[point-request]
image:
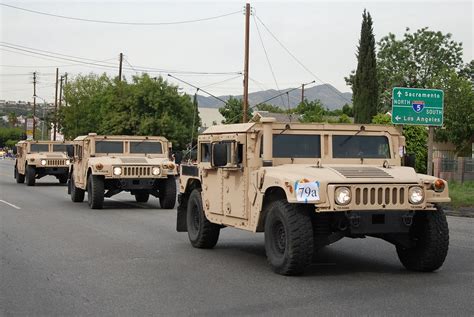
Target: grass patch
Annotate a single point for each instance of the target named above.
(462, 195)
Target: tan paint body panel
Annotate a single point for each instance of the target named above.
(133, 165)
(233, 195)
(26, 157)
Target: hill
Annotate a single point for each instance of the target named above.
(329, 96)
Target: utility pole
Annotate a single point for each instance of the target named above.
(34, 105)
(56, 106)
(60, 91)
(65, 84)
(246, 63)
(430, 150)
(302, 93)
(120, 66)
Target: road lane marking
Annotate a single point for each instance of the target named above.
(9, 204)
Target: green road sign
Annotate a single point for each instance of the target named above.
(413, 106)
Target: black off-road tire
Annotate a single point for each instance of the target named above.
(77, 194)
(63, 178)
(95, 191)
(201, 232)
(430, 235)
(167, 193)
(20, 178)
(142, 197)
(288, 237)
(30, 176)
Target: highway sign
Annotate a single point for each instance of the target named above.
(413, 106)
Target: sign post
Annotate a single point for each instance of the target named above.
(414, 106)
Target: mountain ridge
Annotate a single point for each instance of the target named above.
(329, 96)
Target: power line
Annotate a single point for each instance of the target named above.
(49, 52)
(208, 93)
(120, 22)
(299, 62)
(268, 59)
(97, 63)
(222, 81)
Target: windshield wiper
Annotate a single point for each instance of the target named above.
(287, 127)
(362, 128)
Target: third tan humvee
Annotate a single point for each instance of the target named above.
(308, 185)
(36, 159)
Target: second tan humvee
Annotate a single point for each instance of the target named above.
(105, 165)
(308, 185)
(36, 159)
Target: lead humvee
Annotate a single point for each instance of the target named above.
(36, 159)
(107, 165)
(308, 185)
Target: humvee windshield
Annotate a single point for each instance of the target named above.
(146, 147)
(360, 146)
(59, 147)
(296, 145)
(39, 148)
(109, 146)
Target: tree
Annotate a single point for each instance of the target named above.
(348, 110)
(428, 59)
(232, 111)
(416, 138)
(311, 111)
(86, 97)
(10, 136)
(364, 82)
(269, 108)
(12, 120)
(142, 107)
(458, 113)
(417, 60)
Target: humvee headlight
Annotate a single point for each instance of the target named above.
(342, 196)
(438, 185)
(68, 162)
(415, 195)
(43, 162)
(117, 171)
(156, 170)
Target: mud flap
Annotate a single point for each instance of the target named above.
(181, 225)
(69, 186)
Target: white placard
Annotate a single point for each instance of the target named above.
(307, 191)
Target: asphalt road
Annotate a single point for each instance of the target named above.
(59, 258)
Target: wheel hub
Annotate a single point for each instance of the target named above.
(280, 237)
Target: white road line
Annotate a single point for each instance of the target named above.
(9, 204)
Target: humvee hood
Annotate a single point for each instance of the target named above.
(120, 160)
(333, 174)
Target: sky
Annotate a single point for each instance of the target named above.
(321, 35)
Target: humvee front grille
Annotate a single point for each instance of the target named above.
(392, 196)
(136, 171)
(56, 162)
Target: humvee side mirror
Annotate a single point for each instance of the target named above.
(219, 154)
(410, 160)
(15, 150)
(70, 150)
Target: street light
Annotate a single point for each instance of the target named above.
(42, 121)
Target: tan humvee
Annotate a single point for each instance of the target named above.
(309, 185)
(36, 159)
(107, 165)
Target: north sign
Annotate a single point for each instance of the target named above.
(413, 106)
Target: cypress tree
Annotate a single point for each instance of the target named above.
(365, 87)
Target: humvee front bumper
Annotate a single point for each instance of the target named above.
(52, 170)
(131, 183)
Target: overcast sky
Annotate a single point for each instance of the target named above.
(323, 35)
